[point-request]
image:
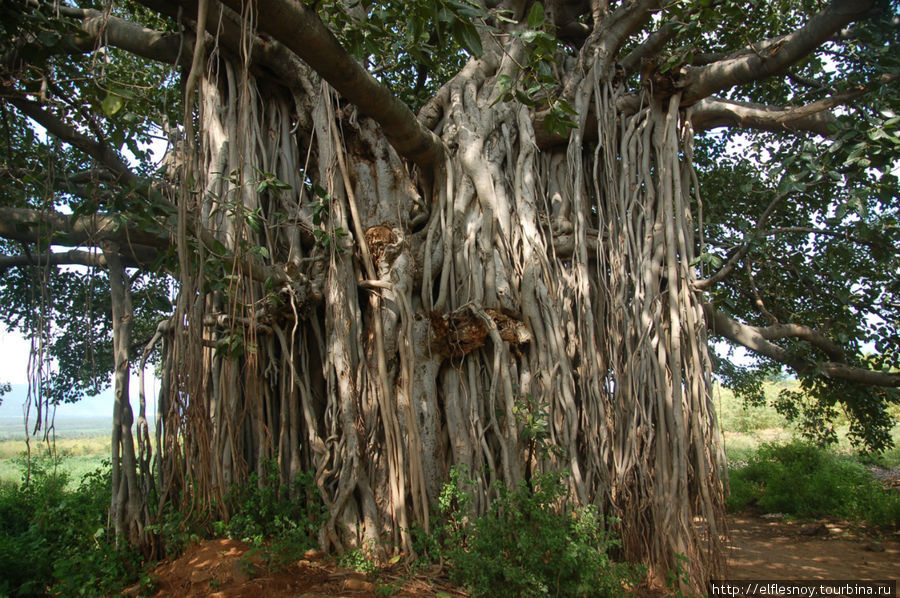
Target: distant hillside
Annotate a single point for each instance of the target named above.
(89, 416)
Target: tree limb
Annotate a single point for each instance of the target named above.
(99, 29)
(759, 339)
(79, 257)
(63, 131)
(284, 21)
(33, 226)
(770, 56)
(742, 250)
(649, 47)
(606, 39)
(814, 117)
(81, 233)
(711, 113)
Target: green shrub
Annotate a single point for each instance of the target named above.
(62, 534)
(806, 481)
(280, 520)
(525, 545)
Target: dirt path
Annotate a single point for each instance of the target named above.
(760, 548)
(774, 549)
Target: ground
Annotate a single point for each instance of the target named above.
(766, 548)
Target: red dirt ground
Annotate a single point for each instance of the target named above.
(759, 549)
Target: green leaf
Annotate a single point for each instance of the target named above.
(112, 104)
(536, 16)
(529, 36)
(465, 34)
(320, 191)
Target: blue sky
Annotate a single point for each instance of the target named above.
(13, 367)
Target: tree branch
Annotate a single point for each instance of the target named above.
(63, 131)
(770, 56)
(742, 250)
(81, 232)
(79, 257)
(711, 113)
(759, 340)
(813, 117)
(283, 20)
(649, 47)
(33, 226)
(99, 28)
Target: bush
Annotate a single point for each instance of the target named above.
(271, 516)
(62, 534)
(526, 546)
(806, 481)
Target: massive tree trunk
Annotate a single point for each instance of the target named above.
(428, 311)
(378, 297)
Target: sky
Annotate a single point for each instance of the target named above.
(14, 365)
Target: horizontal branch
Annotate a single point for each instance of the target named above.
(100, 29)
(139, 257)
(771, 56)
(34, 226)
(301, 31)
(814, 117)
(711, 113)
(225, 29)
(759, 340)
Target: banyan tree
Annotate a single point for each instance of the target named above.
(406, 237)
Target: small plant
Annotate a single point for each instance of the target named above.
(279, 520)
(358, 560)
(527, 545)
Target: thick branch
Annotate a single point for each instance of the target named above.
(814, 117)
(759, 340)
(225, 29)
(771, 56)
(32, 226)
(624, 21)
(301, 30)
(605, 40)
(62, 130)
(711, 113)
(99, 29)
(79, 257)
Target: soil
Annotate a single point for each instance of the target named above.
(765, 548)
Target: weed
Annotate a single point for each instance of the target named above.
(280, 521)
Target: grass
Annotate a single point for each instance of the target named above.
(78, 455)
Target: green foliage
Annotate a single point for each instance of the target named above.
(62, 534)
(827, 256)
(527, 544)
(280, 520)
(358, 560)
(536, 83)
(413, 47)
(806, 481)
